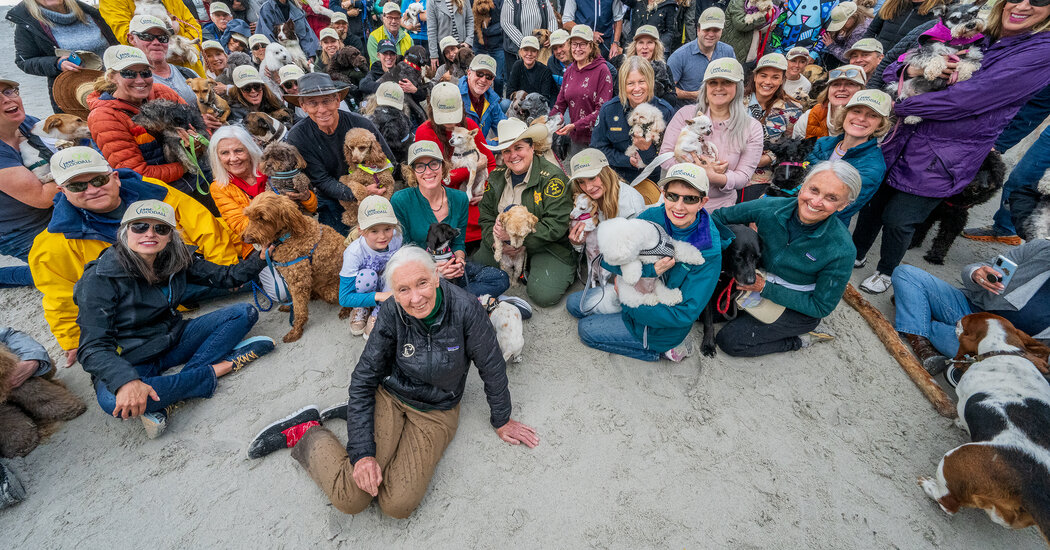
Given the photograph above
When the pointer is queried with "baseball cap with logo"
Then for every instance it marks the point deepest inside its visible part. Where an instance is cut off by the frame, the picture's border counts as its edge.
(587, 164)
(289, 72)
(424, 149)
(840, 14)
(143, 23)
(211, 45)
(447, 42)
(797, 51)
(219, 7)
(689, 173)
(75, 161)
(559, 37)
(583, 32)
(725, 67)
(876, 100)
(446, 103)
(256, 39)
(391, 7)
(386, 45)
(374, 210)
(483, 62)
(865, 45)
(149, 210)
(390, 94)
(848, 72)
(530, 42)
(121, 57)
(329, 32)
(245, 75)
(339, 16)
(773, 60)
(711, 18)
(647, 30)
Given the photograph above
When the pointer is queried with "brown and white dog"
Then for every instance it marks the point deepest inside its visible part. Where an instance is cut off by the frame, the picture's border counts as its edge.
(209, 102)
(1004, 403)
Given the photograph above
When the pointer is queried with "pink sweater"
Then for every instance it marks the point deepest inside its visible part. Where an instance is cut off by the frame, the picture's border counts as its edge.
(742, 164)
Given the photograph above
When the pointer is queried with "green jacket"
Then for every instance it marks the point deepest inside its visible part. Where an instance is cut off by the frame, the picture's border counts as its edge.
(546, 196)
(823, 258)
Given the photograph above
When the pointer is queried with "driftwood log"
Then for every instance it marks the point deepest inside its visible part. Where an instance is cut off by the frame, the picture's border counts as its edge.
(885, 331)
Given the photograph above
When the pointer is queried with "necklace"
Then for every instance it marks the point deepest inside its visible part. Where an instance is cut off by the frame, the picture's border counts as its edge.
(441, 203)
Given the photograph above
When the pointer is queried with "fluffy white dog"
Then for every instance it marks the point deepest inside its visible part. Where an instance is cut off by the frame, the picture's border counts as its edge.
(506, 319)
(628, 243)
(410, 19)
(646, 122)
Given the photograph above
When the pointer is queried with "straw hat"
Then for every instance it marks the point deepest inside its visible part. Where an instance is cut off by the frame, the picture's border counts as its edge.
(72, 88)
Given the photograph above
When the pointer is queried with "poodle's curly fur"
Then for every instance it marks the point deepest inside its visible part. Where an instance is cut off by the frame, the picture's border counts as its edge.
(362, 149)
(283, 157)
(28, 412)
(318, 248)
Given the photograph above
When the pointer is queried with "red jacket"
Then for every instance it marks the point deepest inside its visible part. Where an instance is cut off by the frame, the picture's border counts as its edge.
(426, 132)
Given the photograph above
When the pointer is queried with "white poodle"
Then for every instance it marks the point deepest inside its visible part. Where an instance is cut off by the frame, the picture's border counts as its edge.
(628, 243)
(646, 122)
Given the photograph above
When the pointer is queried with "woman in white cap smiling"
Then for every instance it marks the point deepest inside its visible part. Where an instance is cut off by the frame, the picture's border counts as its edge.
(330, 43)
(737, 136)
(843, 82)
(587, 85)
(249, 94)
(647, 45)
(769, 103)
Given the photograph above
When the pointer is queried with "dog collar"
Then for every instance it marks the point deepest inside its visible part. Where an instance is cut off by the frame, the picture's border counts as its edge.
(286, 174)
(982, 356)
(492, 305)
(413, 65)
(799, 164)
(585, 216)
(443, 256)
(461, 155)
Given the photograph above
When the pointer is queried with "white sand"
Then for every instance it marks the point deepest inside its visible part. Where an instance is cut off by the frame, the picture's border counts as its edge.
(816, 449)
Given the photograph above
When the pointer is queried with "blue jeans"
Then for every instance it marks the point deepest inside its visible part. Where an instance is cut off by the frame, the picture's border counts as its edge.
(1028, 171)
(928, 307)
(204, 342)
(606, 332)
(17, 246)
(481, 279)
(1031, 115)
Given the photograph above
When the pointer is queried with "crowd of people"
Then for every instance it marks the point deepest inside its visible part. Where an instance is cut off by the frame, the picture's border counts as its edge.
(132, 223)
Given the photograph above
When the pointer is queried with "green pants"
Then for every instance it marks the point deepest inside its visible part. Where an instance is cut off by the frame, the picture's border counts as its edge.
(549, 277)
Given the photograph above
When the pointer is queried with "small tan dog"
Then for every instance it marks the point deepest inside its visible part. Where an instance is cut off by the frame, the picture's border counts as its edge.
(64, 128)
(519, 223)
(208, 101)
(465, 154)
(370, 171)
(544, 37)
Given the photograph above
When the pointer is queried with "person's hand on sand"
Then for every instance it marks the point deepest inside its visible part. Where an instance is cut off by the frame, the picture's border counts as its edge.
(368, 475)
(512, 432)
(132, 399)
(71, 357)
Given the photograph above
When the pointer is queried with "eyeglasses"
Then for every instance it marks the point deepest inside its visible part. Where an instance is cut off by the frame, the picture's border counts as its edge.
(313, 103)
(579, 45)
(1033, 3)
(150, 37)
(132, 75)
(486, 76)
(848, 73)
(252, 88)
(258, 47)
(10, 93)
(139, 228)
(687, 199)
(420, 167)
(81, 186)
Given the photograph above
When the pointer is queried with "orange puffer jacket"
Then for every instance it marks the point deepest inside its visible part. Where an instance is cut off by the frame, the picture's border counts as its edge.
(232, 200)
(126, 144)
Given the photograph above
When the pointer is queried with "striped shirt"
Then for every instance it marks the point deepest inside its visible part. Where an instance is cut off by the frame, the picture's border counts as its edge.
(530, 19)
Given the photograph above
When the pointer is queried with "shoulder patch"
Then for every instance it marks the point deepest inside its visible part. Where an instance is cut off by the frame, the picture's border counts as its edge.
(555, 188)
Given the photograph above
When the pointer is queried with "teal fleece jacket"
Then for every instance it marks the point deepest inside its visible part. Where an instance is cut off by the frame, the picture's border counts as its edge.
(823, 258)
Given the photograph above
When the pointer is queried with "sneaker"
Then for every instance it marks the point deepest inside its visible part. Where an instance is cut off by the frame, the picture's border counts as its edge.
(155, 423)
(680, 352)
(371, 324)
(822, 333)
(860, 263)
(988, 234)
(249, 350)
(284, 433)
(876, 284)
(358, 320)
(952, 375)
(520, 303)
(335, 411)
(11, 490)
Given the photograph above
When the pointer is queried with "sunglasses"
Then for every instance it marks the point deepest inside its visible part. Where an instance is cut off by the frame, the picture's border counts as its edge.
(849, 73)
(131, 74)
(258, 47)
(290, 85)
(486, 76)
(420, 167)
(160, 229)
(252, 88)
(687, 199)
(1033, 3)
(149, 37)
(10, 93)
(81, 186)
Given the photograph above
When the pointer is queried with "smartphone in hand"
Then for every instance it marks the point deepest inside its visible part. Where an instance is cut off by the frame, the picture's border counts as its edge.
(74, 59)
(1006, 268)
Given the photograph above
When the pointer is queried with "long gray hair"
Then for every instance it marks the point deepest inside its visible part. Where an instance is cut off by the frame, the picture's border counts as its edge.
(739, 118)
(239, 133)
(174, 258)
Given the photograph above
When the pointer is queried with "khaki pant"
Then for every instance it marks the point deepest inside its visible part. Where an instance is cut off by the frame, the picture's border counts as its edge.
(409, 444)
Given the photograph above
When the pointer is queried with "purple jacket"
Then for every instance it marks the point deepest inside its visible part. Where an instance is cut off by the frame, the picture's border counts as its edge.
(940, 155)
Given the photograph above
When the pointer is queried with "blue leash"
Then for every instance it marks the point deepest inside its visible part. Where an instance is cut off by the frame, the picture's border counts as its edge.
(271, 264)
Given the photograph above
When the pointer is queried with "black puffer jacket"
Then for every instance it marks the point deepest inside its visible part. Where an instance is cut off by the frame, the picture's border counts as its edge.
(664, 18)
(35, 46)
(890, 32)
(124, 321)
(426, 368)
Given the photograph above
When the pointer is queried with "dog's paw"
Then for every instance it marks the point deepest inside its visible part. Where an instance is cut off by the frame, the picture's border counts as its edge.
(707, 350)
(284, 309)
(934, 258)
(912, 119)
(292, 336)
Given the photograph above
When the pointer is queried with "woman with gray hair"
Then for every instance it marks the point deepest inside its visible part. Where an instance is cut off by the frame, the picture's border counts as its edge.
(807, 259)
(404, 395)
(131, 331)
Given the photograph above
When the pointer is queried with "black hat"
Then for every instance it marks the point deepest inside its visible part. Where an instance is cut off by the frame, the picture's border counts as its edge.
(314, 85)
(386, 45)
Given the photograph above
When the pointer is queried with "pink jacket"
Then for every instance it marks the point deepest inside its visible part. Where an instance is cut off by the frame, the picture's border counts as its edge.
(742, 164)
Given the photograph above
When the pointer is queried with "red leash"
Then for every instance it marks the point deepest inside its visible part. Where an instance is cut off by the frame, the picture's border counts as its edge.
(727, 294)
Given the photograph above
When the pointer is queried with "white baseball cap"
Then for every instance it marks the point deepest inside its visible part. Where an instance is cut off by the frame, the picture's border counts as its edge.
(876, 100)
(143, 23)
(220, 7)
(256, 39)
(689, 173)
(390, 94)
(421, 149)
(149, 210)
(530, 42)
(289, 72)
(559, 37)
(329, 32)
(339, 16)
(840, 14)
(374, 210)
(391, 7)
(725, 67)
(211, 45)
(647, 30)
(773, 60)
(484, 62)
(245, 75)
(587, 164)
(798, 51)
(75, 161)
(711, 17)
(865, 45)
(121, 57)
(583, 32)
(446, 103)
(447, 42)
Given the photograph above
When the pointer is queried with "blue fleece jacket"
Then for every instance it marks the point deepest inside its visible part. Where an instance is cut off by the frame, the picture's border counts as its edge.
(866, 158)
(488, 119)
(211, 32)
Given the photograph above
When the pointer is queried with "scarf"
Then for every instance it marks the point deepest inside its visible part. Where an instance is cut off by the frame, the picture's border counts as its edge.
(250, 189)
(697, 234)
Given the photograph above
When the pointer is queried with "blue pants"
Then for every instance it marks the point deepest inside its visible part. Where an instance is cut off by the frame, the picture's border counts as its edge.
(607, 332)
(330, 213)
(1027, 172)
(1031, 115)
(481, 279)
(17, 247)
(204, 342)
(929, 307)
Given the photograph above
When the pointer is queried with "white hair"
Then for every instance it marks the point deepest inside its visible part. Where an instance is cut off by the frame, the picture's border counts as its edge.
(738, 125)
(239, 133)
(844, 171)
(408, 255)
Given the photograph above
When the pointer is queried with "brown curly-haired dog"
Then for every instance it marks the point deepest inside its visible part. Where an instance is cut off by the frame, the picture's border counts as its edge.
(283, 166)
(370, 171)
(307, 254)
(482, 18)
(27, 412)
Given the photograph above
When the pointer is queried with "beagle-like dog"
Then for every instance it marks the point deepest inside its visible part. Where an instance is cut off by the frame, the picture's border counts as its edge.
(1004, 403)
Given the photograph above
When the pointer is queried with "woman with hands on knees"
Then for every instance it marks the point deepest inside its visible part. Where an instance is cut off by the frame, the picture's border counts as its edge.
(405, 393)
(736, 135)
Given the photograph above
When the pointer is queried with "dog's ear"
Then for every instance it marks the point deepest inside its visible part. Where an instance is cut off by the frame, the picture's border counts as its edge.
(300, 162)
(52, 122)
(473, 133)
(1038, 353)
(939, 10)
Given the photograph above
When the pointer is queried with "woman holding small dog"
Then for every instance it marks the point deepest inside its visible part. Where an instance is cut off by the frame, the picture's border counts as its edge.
(736, 135)
(651, 332)
(587, 86)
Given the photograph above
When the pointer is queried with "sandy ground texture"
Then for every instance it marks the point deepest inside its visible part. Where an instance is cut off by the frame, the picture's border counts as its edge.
(816, 449)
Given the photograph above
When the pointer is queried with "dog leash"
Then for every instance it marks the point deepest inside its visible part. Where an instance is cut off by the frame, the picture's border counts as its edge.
(727, 294)
(271, 264)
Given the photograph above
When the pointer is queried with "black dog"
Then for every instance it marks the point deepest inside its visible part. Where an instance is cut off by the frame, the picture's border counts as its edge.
(410, 68)
(954, 211)
(395, 127)
(790, 168)
(532, 107)
(439, 241)
(739, 261)
(163, 119)
(349, 67)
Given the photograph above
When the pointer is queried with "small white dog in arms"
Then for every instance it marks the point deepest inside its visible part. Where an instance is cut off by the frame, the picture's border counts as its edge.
(695, 140)
(646, 122)
(410, 19)
(506, 319)
(628, 243)
(465, 154)
(584, 211)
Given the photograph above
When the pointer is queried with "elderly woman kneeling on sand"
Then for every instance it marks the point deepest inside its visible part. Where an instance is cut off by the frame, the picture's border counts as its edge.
(404, 395)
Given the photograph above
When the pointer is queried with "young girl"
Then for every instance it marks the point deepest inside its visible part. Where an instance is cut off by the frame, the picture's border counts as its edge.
(360, 280)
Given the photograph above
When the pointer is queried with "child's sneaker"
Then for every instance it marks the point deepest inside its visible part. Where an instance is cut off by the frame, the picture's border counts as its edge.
(369, 325)
(680, 352)
(358, 320)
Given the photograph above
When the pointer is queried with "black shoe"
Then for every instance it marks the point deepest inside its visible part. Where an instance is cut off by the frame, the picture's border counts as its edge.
(11, 490)
(271, 438)
(953, 375)
(335, 411)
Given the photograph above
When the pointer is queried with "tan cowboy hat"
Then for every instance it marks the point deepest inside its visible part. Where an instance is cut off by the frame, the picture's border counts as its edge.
(72, 88)
(512, 130)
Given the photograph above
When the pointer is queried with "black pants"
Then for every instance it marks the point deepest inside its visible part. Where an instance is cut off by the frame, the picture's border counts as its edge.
(746, 336)
(896, 214)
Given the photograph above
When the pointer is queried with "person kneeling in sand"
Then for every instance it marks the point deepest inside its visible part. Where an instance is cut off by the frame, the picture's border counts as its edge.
(404, 395)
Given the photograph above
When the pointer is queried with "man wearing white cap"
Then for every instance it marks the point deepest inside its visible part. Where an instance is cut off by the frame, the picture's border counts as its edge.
(278, 12)
(866, 53)
(87, 213)
(390, 30)
(481, 101)
(604, 17)
(689, 62)
(118, 13)
(151, 35)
